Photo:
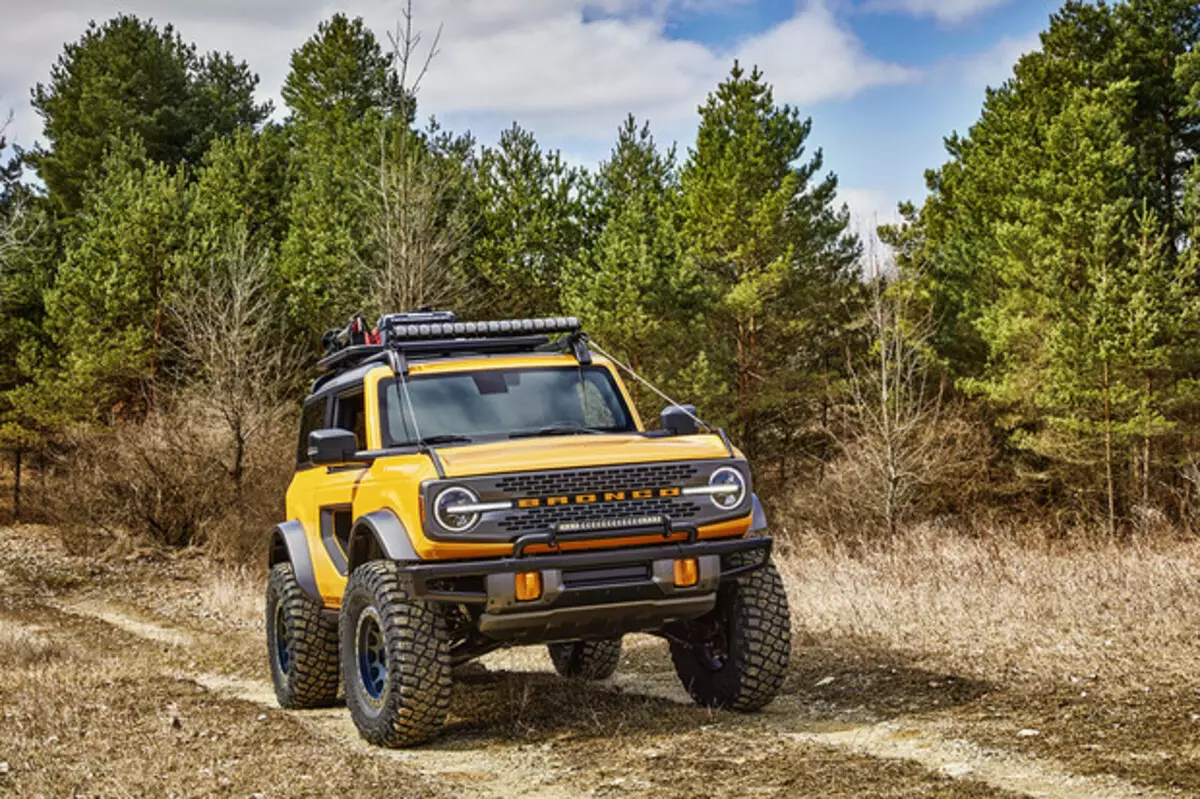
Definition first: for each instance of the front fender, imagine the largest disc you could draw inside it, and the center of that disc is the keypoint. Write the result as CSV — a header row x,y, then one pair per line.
x,y
289,544
380,534
758,521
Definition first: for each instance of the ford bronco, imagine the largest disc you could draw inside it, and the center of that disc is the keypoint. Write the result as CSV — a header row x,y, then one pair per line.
x,y
465,486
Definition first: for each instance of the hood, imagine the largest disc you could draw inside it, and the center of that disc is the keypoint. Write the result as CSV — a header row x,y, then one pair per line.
x,y
576,452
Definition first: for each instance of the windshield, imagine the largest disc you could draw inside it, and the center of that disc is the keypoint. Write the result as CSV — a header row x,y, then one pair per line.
x,y
499,403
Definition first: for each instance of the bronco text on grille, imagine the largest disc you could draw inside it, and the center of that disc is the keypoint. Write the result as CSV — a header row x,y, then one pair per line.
x,y
541,500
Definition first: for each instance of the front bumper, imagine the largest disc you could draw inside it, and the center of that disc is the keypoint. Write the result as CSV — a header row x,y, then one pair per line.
x,y
588,594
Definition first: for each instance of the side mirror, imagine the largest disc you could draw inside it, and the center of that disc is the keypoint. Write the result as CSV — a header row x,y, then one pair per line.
x,y
331,446
678,420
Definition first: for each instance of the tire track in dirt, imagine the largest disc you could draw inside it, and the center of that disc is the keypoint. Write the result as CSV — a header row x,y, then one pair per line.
x,y
138,627
959,759
489,773
530,772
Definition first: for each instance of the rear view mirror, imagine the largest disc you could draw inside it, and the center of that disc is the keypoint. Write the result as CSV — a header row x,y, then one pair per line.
x,y
679,420
331,446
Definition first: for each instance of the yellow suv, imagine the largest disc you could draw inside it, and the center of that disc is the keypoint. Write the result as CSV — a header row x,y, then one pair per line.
x,y
465,486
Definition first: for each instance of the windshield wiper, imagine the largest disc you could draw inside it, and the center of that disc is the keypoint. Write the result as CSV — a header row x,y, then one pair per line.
x,y
446,438
556,430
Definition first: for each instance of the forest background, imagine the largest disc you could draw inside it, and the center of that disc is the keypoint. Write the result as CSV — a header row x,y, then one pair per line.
x,y
1021,349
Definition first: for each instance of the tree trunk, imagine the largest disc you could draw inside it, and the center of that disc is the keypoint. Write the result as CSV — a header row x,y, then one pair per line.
x,y
17,485
1146,453
1108,458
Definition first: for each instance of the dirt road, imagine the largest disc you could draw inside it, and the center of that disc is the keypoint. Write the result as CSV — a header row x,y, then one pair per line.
x,y
146,676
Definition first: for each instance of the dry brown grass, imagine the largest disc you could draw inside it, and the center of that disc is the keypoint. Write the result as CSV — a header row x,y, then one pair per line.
x,y
234,593
930,626
1007,604
22,646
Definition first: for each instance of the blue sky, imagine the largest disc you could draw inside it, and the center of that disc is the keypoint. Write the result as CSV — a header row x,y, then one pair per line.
x,y
883,80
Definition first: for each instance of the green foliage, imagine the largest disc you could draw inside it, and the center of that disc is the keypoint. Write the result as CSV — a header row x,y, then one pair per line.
x,y
340,74
341,89
241,185
773,253
106,310
1054,249
128,79
534,217
637,293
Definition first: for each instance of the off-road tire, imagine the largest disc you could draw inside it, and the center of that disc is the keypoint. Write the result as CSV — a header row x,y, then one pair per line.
x,y
415,687
586,660
306,675
753,612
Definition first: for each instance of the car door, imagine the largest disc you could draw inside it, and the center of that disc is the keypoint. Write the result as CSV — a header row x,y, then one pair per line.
x,y
335,497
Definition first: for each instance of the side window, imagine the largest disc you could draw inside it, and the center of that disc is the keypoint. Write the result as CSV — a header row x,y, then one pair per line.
x,y
351,416
312,417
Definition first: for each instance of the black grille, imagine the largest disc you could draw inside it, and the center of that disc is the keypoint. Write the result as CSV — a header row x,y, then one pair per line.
x,y
650,475
570,489
679,509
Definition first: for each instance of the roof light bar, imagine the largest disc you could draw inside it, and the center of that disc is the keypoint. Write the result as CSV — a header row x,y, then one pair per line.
x,y
399,330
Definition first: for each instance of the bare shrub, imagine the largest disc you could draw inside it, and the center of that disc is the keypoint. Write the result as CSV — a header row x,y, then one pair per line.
x,y
239,532
903,450
165,480
418,196
237,367
156,478
851,502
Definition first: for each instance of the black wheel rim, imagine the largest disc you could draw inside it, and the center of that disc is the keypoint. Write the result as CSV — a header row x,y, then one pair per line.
x,y
283,641
371,655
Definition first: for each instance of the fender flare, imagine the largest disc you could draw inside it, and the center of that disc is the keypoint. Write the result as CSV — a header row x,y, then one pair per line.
x,y
289,544
379,532
758,520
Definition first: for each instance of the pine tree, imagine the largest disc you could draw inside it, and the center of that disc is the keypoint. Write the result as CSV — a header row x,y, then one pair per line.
x,y
1035,245
339,88
534,218
240,186
127,78
339,75
633,287
107,309
773,251
1077,331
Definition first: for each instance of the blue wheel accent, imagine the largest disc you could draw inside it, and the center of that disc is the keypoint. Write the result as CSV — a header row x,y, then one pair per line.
x,y
371,654
283,641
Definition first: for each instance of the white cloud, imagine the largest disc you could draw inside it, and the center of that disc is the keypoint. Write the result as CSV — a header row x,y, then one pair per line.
x,y
949,12
810,58
536,61
869,208
994,65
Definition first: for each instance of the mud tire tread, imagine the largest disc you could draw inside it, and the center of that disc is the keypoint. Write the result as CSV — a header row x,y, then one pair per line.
x,y
313,676
760,641
586,660
419,687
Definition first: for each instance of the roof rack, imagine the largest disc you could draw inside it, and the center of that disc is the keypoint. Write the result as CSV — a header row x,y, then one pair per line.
x,y
401,337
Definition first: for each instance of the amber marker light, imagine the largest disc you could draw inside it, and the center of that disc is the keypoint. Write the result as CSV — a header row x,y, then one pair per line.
x,y
529,585
687,573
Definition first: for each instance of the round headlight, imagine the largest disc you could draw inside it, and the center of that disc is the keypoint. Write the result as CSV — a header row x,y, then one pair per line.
x,y
447,501
734,484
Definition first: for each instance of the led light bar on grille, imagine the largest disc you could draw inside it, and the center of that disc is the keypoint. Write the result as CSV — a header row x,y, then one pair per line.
x,y
400,330
710,490
478,507
609,524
